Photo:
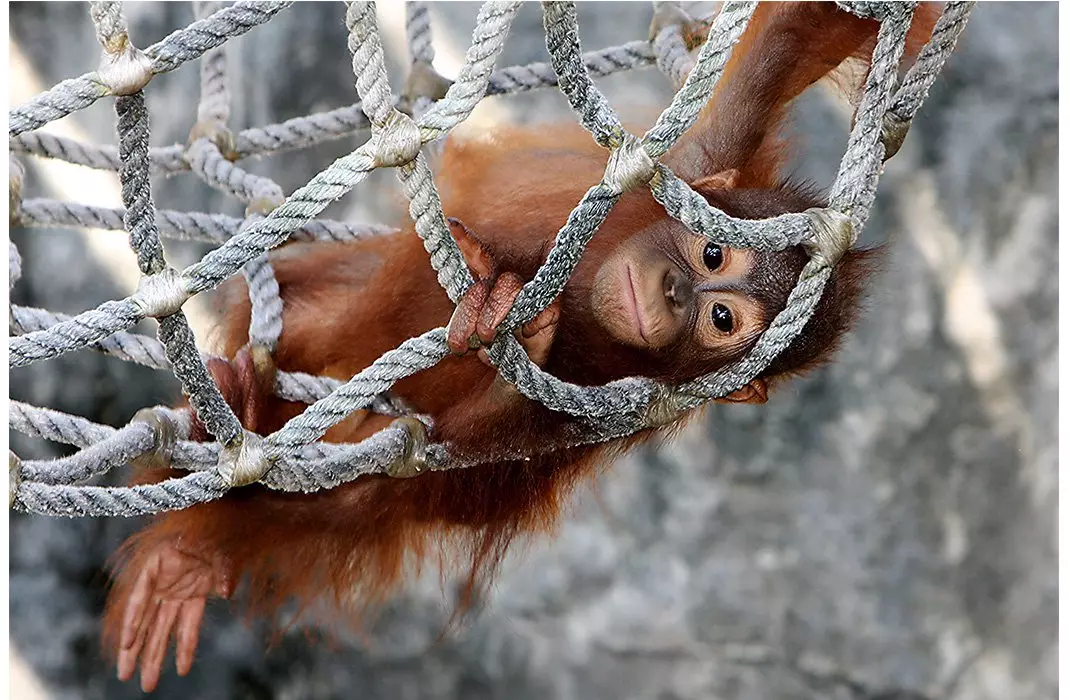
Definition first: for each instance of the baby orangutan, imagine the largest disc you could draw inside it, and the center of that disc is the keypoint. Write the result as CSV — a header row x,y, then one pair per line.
x,y
648,298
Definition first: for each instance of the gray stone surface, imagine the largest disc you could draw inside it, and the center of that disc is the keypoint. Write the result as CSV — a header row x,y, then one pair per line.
x,y
884,529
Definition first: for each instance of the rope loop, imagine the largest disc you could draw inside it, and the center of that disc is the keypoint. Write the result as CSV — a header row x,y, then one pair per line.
x,y
161,294
397,142
125,72
833,234
629,166
243,462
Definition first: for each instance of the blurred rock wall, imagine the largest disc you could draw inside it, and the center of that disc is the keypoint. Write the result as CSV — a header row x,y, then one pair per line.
x,y
884,529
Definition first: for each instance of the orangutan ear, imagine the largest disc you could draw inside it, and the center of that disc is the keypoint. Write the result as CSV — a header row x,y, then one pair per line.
x,y
724,180
755,392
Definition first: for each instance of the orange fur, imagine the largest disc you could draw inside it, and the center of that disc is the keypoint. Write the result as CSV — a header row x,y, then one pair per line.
x,y
347,303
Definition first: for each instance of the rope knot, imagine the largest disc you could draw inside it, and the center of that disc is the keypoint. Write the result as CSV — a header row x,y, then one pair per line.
x,y
398,141
165,432
832,235
161,294
126,71
218,134
629,166
243,462
412,461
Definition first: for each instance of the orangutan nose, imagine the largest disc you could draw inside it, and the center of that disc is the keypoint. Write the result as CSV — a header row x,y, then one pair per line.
x,y
678,290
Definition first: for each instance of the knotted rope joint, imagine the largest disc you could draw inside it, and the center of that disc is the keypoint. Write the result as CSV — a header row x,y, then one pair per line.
x,y
243,461
218,134
629,166
398,141
164,430
125,71
413,458
161,294
832,235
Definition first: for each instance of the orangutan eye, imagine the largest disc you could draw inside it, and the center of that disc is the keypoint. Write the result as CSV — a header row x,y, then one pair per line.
x,y
713,257
722,318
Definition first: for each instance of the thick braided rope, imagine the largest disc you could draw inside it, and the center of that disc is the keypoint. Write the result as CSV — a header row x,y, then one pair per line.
x,y
930,60
312,468
397,142
627,170
855,186
698,88
418,32
110,25
174,331
181,46
131,347
129,501
488,38
183,226
667,40
215,97
302,132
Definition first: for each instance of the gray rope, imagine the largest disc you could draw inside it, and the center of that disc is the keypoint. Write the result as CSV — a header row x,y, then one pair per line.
x,y
412,356
109,24
690,208
673,58
265,320
131,347
488,38
181,46
16,173
184,226
47,424
150,352
115,451
215,98
930,61
207,161
698,88
376,99
140,215
86,328
418,32
855,185
97,501
563,43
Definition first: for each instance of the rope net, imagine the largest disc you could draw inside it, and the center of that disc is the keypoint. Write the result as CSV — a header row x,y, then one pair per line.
x,y
399,126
